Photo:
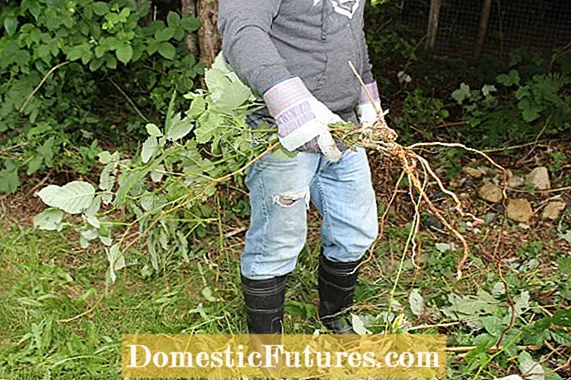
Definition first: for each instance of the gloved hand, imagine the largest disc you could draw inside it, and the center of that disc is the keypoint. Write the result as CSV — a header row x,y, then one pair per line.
x,y
366,110
302,120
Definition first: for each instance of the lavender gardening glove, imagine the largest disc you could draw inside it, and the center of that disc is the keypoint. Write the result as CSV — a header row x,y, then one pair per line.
x,y
302,120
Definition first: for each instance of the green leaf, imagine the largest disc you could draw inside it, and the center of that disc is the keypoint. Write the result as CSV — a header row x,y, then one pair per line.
x,y
190,23
153,46
173,19
9,180
73,198
530,368
165,34
197,107
565,236
49,220
33,6
167,50
462,93
150,148
35,164
359,325
11,25
107,157
493,326
233,97
208,123
100,8
416,302
207,293
562,318
521,302
116,262
124,53
565,262
153,130
180,129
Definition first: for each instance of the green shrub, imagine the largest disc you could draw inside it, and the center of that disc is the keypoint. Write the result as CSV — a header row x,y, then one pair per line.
x,y
74,71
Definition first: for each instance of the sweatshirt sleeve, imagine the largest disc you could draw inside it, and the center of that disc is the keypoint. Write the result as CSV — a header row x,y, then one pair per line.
x,y
367,69
245,26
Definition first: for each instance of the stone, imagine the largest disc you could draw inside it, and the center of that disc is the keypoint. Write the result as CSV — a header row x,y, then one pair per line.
x,y
539,178
515,181
519,210
491,193
473,172
553,210
490,217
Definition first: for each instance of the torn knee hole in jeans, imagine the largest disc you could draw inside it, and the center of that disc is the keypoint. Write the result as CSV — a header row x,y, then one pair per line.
x,y
291,198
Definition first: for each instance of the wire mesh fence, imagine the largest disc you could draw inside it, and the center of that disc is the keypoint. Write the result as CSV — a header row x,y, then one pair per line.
x,y
469,28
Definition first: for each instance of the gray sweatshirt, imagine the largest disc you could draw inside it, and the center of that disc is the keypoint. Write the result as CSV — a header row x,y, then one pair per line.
x,y
266,41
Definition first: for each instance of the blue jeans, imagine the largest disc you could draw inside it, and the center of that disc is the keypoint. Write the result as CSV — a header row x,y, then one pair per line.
x,y
280,192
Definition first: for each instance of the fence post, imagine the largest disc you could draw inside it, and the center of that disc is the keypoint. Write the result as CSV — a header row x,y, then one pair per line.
x,y
484,21
433,19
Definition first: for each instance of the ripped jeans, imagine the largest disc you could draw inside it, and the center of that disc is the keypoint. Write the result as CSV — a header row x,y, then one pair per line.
x,y
280,193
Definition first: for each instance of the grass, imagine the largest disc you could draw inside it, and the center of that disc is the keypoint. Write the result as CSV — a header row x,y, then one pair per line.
x,y
45,280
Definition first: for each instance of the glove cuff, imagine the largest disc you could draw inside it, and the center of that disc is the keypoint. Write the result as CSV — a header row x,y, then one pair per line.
x,y
285,94
373,91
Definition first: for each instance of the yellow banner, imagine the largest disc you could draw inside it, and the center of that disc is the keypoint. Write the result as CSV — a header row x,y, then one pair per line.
x,y
284,356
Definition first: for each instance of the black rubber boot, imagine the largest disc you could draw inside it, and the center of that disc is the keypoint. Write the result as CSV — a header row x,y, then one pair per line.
x,y
336,283
264,304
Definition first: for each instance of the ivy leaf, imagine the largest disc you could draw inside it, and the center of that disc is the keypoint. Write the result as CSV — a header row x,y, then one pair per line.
x,y
150,148
167,50
73,198
124,53
180,129
416,302
49,220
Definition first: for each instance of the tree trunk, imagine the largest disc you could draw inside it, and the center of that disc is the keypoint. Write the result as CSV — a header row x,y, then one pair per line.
x,y
189,8
209,39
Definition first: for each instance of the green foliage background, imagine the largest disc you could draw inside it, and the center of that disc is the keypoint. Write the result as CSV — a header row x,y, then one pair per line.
x,y
108,67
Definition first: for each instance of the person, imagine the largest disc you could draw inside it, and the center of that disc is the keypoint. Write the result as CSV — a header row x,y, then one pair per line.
x,y
295,54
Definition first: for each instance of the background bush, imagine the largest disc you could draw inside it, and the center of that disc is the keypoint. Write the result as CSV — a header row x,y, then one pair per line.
x,y
107,66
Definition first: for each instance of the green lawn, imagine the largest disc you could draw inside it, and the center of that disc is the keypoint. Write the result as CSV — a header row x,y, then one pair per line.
x,y
45,280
